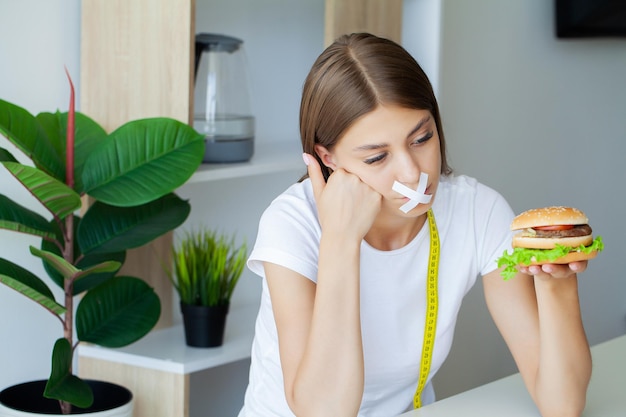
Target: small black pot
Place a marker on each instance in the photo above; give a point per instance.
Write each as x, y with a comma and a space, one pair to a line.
204, 325
28, 397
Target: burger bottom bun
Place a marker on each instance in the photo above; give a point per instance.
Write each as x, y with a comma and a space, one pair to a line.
519, 241
570, 257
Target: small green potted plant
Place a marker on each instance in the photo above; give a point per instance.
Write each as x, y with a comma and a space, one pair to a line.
129, 177
206, 268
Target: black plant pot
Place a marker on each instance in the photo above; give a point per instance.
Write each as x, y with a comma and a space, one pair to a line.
204, 325
28, 398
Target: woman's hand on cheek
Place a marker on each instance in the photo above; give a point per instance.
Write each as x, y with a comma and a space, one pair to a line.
549, 271
345, 204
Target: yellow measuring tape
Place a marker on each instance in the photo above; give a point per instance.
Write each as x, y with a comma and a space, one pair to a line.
430, 324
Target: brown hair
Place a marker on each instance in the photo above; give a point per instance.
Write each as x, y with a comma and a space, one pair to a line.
352, 77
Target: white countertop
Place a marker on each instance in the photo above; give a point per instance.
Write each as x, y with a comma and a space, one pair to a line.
165, 349
508, 397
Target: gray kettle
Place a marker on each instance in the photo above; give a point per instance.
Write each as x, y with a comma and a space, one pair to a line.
222, 99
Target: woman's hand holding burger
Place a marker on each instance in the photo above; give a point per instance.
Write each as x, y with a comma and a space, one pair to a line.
552, 242
548, 271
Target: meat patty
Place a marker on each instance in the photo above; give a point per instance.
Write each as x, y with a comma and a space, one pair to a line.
576, 231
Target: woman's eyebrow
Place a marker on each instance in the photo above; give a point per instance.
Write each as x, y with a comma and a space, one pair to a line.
369, 147
375, 146
418, 126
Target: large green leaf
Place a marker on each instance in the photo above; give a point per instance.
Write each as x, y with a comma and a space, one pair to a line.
54, 127
20, 219
94, 279
69, 271
106, 228
88, 136
103, 267
117, 313
23, 130
143, 160
57, 198
81, 261
29, 285
57, 262
62, 385
26, 277
86, 263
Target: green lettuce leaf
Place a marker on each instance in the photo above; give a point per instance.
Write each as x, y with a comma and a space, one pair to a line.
523, 256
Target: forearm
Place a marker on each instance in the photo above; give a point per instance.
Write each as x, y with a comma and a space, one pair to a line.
564, 366
329, 380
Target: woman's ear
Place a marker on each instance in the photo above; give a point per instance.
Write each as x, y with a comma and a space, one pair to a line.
325, 156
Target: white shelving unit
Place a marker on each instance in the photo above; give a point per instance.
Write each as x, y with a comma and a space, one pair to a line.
269, 157
165, 349
157, 368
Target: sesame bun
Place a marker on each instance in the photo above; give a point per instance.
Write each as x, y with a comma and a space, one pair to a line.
549, 216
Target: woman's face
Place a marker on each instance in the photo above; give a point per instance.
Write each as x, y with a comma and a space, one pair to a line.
390, 144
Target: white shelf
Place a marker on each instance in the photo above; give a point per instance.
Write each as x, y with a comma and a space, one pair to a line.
165, 349
268, 157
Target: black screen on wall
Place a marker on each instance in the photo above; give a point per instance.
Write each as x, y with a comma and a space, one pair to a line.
590, 18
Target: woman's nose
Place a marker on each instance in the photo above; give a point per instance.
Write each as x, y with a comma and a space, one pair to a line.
408, 170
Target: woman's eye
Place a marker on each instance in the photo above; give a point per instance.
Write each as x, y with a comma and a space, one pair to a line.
423, 139
376, 158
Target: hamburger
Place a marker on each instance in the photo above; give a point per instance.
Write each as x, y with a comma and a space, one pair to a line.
556, 235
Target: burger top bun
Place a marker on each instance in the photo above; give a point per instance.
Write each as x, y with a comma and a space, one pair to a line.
549, 216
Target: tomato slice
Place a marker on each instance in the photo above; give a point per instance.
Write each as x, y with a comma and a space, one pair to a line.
555, 227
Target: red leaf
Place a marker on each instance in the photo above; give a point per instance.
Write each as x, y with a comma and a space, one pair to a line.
69, 145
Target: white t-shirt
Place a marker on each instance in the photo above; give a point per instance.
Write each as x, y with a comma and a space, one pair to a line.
473, 223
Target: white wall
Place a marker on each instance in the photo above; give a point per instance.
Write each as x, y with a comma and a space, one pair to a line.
38, 38
421, 35
543, 121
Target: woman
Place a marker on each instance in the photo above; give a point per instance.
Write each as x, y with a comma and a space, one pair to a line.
366, 261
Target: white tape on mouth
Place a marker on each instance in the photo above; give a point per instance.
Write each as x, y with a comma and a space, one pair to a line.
415, 196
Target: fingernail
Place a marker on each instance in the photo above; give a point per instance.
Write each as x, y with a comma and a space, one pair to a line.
305, 158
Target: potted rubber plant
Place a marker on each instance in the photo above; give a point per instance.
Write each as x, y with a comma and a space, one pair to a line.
104, 194
206, 268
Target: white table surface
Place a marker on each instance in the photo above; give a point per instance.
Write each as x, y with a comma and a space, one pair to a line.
508, 397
